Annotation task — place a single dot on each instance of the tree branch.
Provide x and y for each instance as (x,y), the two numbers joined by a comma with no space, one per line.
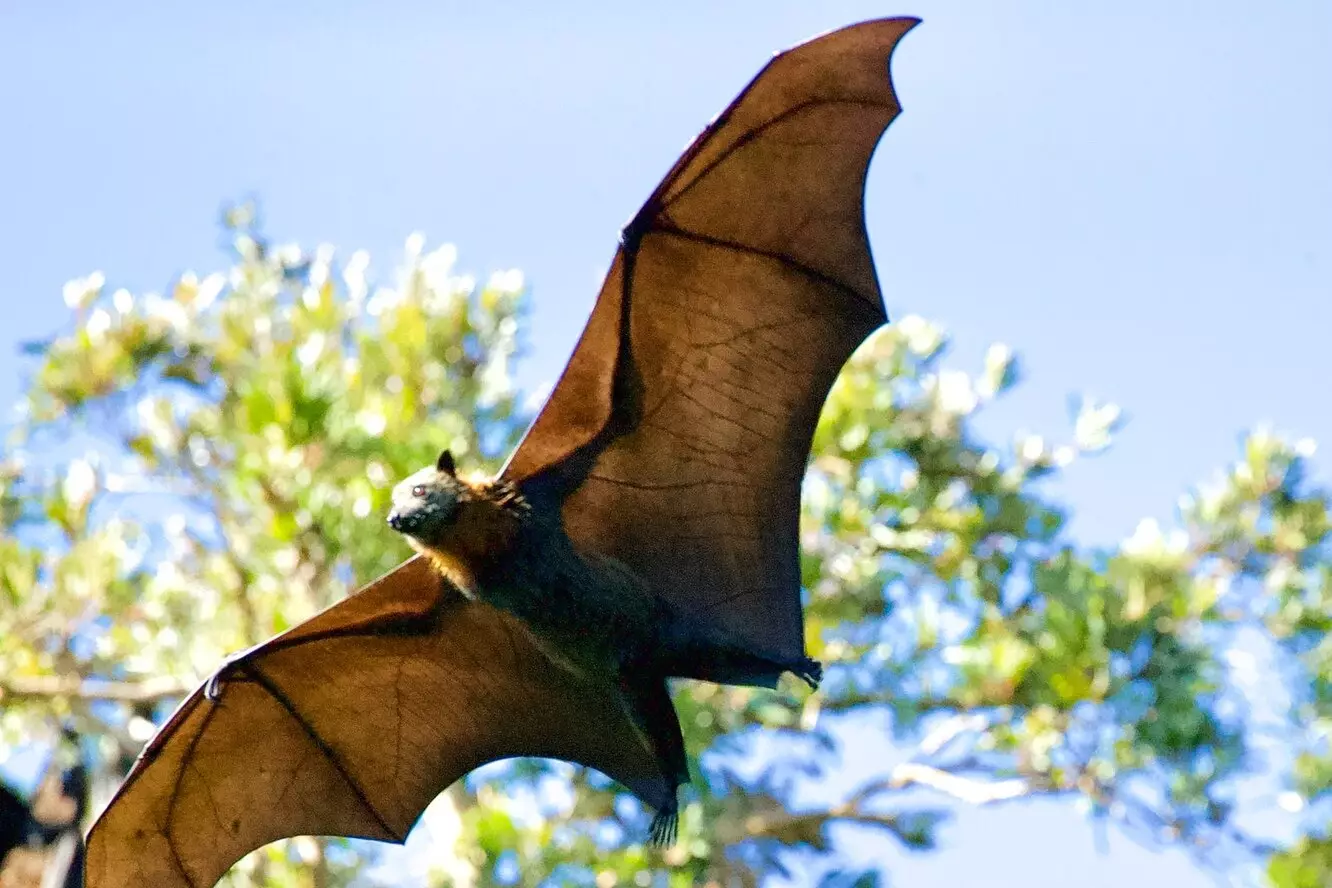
(149,690)
(974,792)
(953,727)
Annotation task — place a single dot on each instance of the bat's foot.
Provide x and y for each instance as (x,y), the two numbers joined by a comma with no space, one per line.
(719,658)
(810,671)
(665,827)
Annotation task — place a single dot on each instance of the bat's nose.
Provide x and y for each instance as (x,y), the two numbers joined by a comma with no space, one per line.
(404,522)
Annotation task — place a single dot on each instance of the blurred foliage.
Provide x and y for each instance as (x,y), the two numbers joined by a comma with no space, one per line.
(199,470)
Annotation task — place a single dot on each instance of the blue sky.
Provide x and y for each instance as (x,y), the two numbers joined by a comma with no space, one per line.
(1136,196)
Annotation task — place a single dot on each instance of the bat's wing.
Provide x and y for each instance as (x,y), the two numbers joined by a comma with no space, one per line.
(349,725)
(678,435)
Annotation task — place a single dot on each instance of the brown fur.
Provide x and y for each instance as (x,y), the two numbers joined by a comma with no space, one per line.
(479,539)
(589,613)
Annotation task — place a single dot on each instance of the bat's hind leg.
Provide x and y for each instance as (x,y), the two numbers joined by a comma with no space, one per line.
(649,702)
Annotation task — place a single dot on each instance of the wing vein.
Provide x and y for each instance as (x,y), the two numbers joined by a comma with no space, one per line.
(809,271)
(751,134)
(665,485)
(281,697)
(171,804)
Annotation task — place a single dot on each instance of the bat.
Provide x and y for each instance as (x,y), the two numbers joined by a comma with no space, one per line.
(40,844)
(14,821)
(644,529)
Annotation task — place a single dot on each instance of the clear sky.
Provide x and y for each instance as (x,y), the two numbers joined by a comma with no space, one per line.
(1136,196)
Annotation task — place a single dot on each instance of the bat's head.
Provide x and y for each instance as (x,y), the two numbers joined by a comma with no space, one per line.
(426,502)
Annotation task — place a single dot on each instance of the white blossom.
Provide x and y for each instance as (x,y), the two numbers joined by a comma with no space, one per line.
(1095,424)
(954,393)
(1148,540)
(353,275)
(510,281)
(921,337)
(311,349)
(80,482)
(98,324)
(80,292)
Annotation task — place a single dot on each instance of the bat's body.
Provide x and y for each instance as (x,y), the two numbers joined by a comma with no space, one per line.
(588,613)
(647,526)
(486,539)
(40,844)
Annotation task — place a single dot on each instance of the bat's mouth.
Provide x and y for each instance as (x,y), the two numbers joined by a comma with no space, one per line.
(405,523)
(426,519)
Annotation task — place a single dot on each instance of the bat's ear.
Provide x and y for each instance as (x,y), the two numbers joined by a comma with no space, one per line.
(445,464)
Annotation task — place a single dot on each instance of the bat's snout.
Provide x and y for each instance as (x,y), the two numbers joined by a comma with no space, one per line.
(402,523)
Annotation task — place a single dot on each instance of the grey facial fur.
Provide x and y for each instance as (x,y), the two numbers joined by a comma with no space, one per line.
(424,503)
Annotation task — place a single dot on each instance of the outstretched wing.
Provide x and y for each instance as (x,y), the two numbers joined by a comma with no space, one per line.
(349,725)
(678,435)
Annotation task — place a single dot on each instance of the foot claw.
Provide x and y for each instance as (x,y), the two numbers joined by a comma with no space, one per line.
(810,671)
(665,827)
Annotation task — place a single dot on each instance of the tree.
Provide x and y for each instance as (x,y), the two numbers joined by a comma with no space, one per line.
(199,471)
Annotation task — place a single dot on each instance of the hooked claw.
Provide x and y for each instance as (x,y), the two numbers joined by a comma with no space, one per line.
(213,687)
(811,671)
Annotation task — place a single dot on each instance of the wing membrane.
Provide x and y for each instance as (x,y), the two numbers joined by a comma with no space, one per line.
(677,437)
(350,725)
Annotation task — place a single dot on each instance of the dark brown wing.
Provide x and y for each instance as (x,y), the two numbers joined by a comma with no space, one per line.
(349,725)
(678,435)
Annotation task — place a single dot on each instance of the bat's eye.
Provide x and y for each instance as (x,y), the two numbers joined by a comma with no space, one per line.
(418,491)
